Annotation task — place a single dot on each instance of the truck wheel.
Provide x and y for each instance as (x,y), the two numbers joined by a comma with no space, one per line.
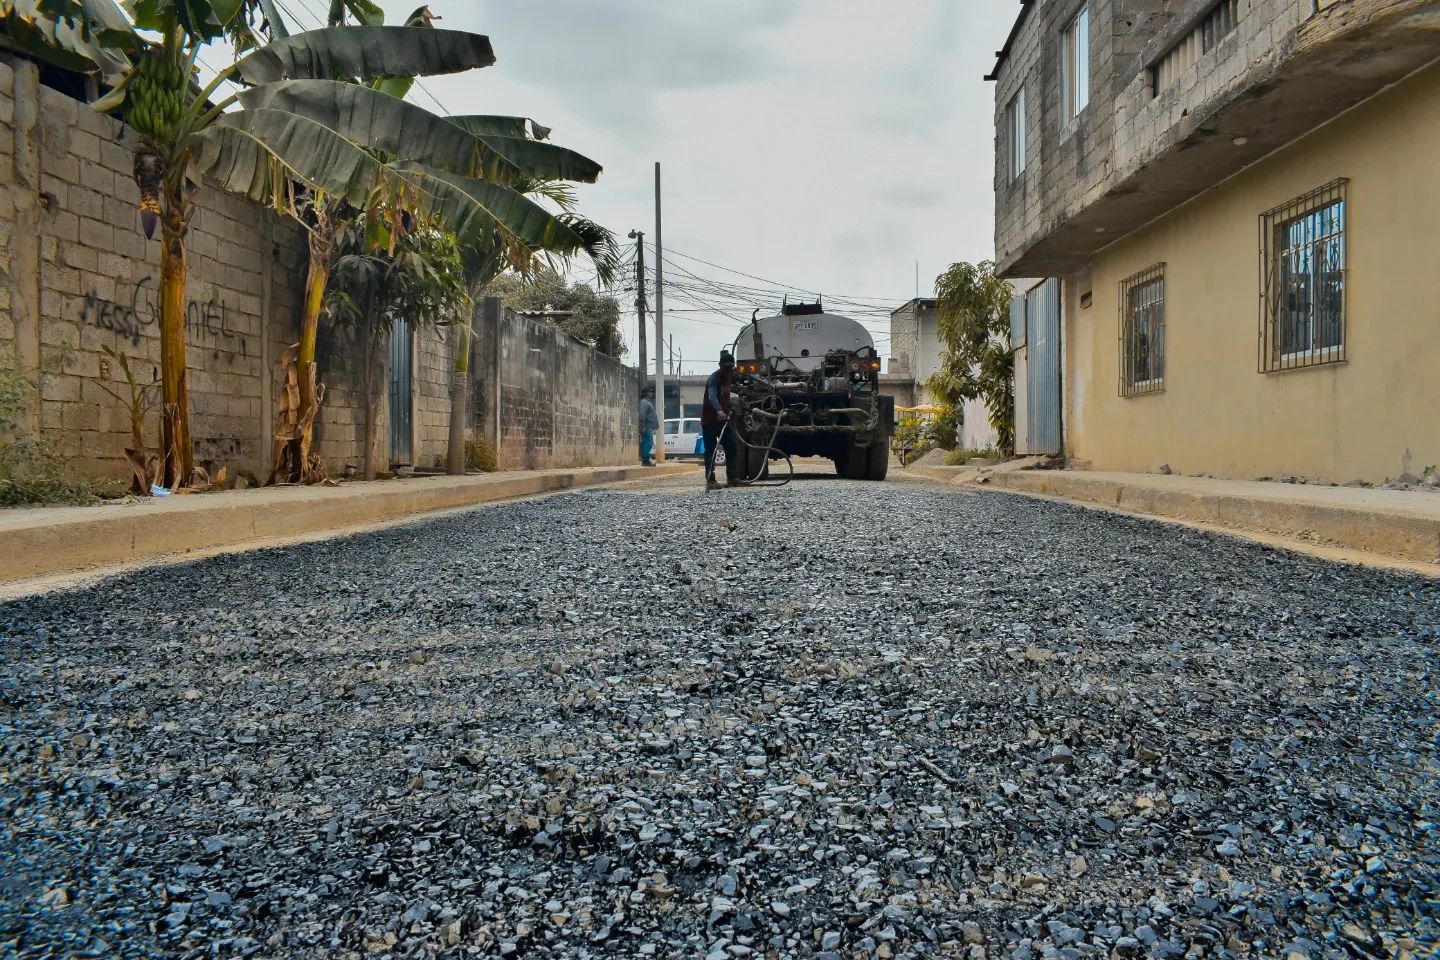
(877,461)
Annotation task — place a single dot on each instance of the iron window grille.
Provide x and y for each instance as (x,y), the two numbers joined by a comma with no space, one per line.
(1199,40)
(1142,332)
(1302,286)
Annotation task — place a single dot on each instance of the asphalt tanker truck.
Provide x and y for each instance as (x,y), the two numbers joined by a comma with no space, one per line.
(807,384)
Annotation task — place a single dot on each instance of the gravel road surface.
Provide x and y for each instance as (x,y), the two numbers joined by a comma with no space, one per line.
(830,720)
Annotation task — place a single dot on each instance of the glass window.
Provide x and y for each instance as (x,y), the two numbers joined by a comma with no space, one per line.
(1017,135)
(672,426)
(1076,55)
(692,426)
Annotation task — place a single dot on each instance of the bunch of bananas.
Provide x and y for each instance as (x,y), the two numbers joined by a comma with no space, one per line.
(156,96)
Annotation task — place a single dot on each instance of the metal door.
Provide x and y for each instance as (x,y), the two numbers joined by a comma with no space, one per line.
(400,391)
(1042,376)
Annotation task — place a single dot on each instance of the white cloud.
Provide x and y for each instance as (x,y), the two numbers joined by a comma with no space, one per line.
(827,144)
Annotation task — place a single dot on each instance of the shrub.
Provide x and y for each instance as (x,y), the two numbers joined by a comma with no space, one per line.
(31,468)
(481,455)
(912,432)
(944,428)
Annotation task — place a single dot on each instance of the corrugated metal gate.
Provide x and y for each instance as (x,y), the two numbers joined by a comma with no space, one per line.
(400,390)
(1042,380)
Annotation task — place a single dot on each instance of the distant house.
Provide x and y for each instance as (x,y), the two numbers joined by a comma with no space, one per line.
(1234,202)
(916,353)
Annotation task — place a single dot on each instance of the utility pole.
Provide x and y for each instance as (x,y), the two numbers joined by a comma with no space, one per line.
(672,356)
(639,237)
(659,315)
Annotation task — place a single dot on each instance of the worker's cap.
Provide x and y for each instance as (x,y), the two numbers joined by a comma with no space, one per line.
(727,359)
(648,392)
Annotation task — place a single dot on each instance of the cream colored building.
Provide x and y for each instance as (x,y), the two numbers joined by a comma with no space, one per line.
(1241,202)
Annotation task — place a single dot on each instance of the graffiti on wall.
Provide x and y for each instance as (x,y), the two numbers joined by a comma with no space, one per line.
(206,324)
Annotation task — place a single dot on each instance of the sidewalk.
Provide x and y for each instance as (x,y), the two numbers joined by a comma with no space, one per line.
(54,540)
(1401,524)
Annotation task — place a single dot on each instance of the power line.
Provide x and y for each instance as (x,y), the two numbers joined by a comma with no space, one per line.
(784,286)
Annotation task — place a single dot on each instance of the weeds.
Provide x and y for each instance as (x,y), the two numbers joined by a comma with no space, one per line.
(481,455)
(32,471)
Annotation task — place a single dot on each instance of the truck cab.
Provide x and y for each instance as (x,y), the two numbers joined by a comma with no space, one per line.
(807,384)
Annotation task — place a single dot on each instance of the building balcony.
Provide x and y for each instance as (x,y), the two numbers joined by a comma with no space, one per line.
(1287,68)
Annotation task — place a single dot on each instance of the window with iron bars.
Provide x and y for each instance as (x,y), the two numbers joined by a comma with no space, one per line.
(1142,332)
(1302,288)
(1202,38)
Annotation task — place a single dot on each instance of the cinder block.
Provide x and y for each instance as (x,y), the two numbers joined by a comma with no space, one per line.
(79,256)
(61,225)
(84,144)
(96,176)
(61,279)
(114,265)
(97,233)
(80,416)
(118,159)
(60,387)
(85,202)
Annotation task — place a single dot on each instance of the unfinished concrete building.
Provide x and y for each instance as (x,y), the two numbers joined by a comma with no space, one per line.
(1238,201)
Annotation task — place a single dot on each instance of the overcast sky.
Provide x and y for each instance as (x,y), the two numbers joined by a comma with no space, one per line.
(824,144)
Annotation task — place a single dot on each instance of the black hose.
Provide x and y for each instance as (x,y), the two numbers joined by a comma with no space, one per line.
(755,481)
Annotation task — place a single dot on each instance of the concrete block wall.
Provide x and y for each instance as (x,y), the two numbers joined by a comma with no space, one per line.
(562,403)
(95,284)
(79,276)
(434,363)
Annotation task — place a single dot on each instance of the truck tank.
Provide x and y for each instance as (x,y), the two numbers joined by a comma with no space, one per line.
(807,383)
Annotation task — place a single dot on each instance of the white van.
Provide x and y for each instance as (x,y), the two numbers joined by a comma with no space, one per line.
(683,438)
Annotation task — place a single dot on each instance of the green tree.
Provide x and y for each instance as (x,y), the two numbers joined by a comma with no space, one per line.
(974,325)
(590,317)
(419,280)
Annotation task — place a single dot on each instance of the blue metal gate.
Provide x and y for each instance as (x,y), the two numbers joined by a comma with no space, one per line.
(1042,383)
(400,390)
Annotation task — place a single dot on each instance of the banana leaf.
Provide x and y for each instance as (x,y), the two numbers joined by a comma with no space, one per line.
(379,121)
(366,51)
(253,151)
(474,210)
(489,126)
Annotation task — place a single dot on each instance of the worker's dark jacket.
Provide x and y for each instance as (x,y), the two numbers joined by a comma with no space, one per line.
(717,397)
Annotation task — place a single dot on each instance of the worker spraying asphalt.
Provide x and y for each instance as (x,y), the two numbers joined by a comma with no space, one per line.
(720,434)
(714,418)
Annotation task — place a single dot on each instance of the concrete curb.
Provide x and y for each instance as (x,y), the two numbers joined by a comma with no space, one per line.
(1410,532)
(70,539)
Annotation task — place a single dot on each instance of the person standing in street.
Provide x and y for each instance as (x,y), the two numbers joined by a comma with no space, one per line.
(649,423)
(714,413)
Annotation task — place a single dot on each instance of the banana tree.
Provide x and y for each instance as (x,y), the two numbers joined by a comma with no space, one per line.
(464,170)
(417,278)
(184,135)
(304,126)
